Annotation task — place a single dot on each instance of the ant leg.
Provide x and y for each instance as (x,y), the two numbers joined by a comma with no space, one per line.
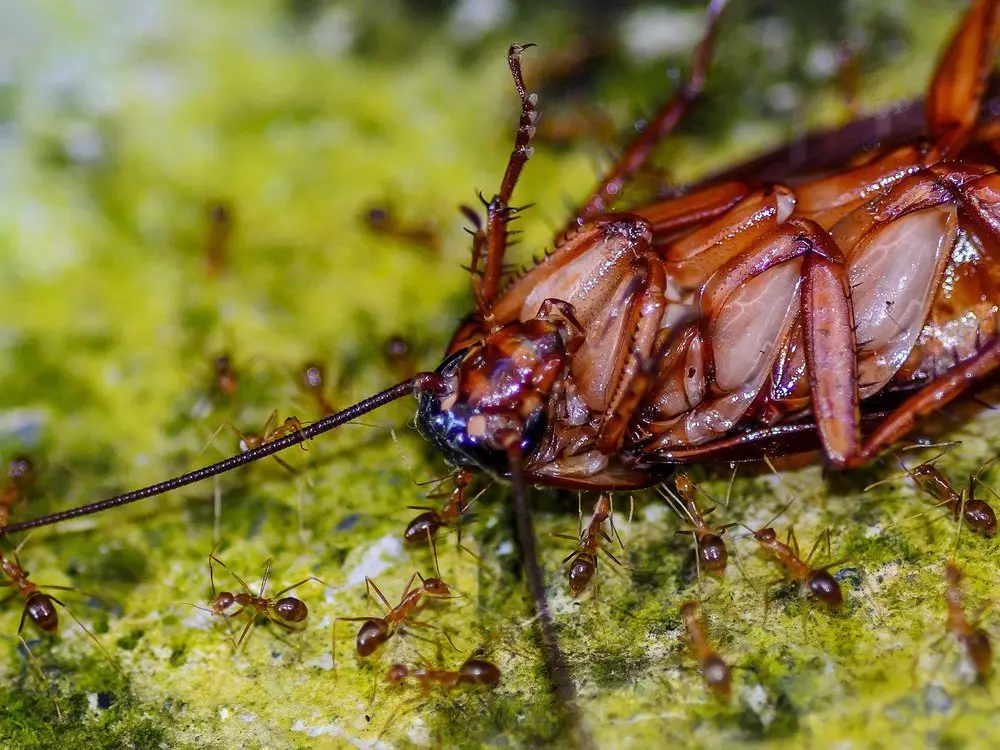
(660,126)
(498,211)
(301,583)
(212,558)
(370,584)
(251,619)
(86,630)
(263,580)
(36,667)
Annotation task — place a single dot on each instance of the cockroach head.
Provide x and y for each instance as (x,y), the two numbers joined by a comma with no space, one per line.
(496,394)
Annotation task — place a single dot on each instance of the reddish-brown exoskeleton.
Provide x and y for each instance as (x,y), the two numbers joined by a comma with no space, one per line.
(20,478)
(375,631)
(591,540)
(817,581)
(425,527)
(732,321)
(974,640)
(975,513)
(472,672)
(714,670)
(287,612)
(712,554)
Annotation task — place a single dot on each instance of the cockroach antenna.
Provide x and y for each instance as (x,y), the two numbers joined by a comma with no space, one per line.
(422,382)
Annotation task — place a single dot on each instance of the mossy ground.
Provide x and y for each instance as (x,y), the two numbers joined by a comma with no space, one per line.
(121,122)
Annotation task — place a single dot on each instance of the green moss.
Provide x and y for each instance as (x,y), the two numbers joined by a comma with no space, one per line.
(124,123)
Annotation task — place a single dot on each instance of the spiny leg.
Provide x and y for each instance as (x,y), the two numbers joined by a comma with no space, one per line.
(499,211)
(663,123)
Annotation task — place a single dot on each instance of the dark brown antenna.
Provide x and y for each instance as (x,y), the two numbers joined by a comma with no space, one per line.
(422,382)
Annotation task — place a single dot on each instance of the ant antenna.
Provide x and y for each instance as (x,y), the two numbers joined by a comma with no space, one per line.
(422,382)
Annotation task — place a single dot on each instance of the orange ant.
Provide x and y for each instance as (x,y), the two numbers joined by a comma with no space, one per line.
(314,383)
(471,672)
(39,607)
(818,581)
(712,554)
(399,357)
(977,514)
(287,612)
(714,671)
(226,376)
(426,526)
(591,540)
(20,478)
(220,229)
(382,219)
(271,431)
(975,640)
(375,631)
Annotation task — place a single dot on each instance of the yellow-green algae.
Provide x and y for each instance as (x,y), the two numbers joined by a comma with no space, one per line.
(120,122)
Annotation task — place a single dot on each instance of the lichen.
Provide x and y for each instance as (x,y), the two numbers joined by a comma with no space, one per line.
(122,122)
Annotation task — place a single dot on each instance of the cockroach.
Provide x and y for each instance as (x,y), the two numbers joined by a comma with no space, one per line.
(974,640)
(714,670)
(287,612)
(817,581)
(734,320)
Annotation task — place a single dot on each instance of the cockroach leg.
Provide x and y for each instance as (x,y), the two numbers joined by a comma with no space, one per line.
(660,126)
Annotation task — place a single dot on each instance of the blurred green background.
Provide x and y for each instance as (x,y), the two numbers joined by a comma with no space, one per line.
(123,125)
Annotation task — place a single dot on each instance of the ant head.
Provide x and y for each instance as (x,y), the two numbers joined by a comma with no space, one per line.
(979,515)
(396,674)
(479,672)
(42,611)
(684,485)
(824,587)
(223,601)
(290,609)
(765,536)
(717,675)
(581,572)
(423,527)
(436,587)
(371,635)
(712,553)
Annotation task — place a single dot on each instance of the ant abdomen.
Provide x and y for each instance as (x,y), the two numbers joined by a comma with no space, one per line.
(290,609)
(41,610)
(479,672)
(980,517)
(372,634)
(824,587)
(712,553)
(423,527)
(581,572)
(717,675)
(977,645)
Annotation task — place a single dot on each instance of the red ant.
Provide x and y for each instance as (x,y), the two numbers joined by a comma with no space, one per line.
(976,514)
(714,671)
(712,554)
(39,607)
(272,431)
(20,478)
(220,229)
(975,640)
(591,540)
(382,219)
(818,581)
(472,672)
(399,357)
(426,526)
(287,612)
(375,631)
(314,383)
(226,376)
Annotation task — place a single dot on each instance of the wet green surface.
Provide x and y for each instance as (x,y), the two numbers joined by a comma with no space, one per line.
(120,125)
